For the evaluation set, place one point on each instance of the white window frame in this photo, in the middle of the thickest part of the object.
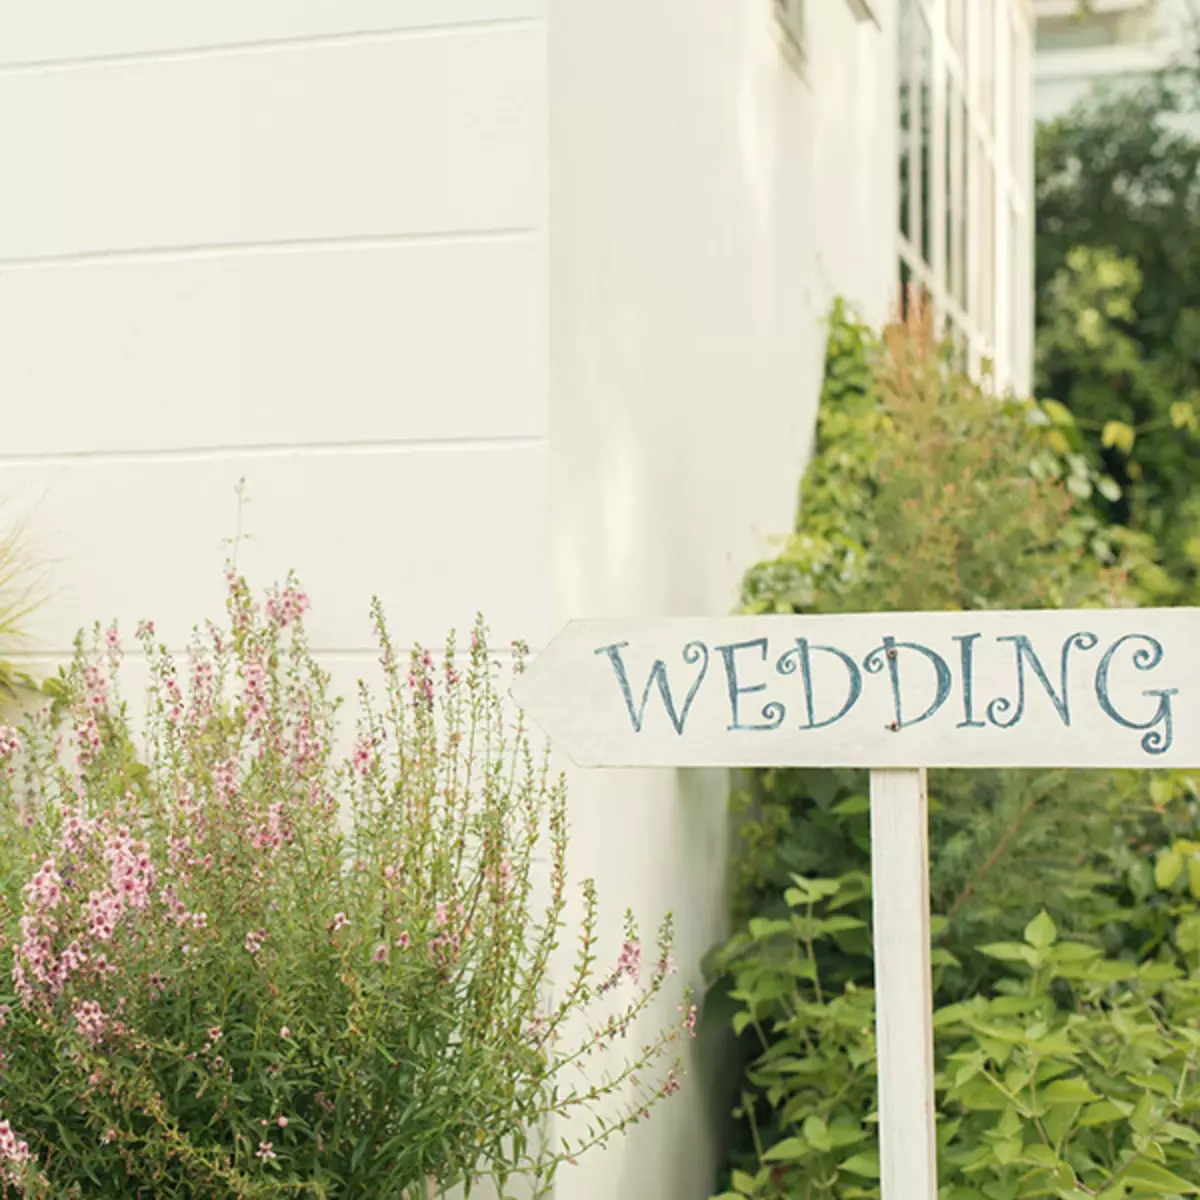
(998, 326)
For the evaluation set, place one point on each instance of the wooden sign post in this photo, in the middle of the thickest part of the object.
(897, 693)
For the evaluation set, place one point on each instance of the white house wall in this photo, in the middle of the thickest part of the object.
(300, 243)
(307, 244)
(707, 202)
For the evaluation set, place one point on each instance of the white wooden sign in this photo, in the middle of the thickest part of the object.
(1089, 688)
(896, 692)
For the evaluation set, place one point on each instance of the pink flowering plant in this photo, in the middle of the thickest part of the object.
(233, 963)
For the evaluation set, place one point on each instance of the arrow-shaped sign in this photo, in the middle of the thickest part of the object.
(1088, 688)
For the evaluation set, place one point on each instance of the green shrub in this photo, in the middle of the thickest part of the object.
(234, 964)
(926, 492)
(1073, 1075)
(1118, 272)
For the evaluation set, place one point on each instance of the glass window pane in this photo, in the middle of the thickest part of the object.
(987, 249)
(962, 214)
(906, 164)
(926, 139)
(985, 72)
(955, 190)
(1021, 106)
(1019, 316)
(950, 256)
(956, 25)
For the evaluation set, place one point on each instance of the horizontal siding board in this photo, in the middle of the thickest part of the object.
(437, 535)
(53, 30)
(379, 343)
(376, 138)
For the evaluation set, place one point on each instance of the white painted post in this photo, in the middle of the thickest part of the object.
(903, 984)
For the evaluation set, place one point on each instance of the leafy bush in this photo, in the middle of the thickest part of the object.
(1118, 265)
(238, 966)
(1074, 1076)
(926, 492)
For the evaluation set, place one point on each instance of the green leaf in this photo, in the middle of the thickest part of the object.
(1072, 952)
(743, 1182)
(1167, 868)
(1005, 951)
(845, 1133)
(1044, 1156)
(866, 1165)
(789, 1150)
(1118, 435)
(952, 1014)
(1112, 970)
(1183, 415)
(1193, 874)
(816, 1132)
(1159, 972)
(817, 889)
(1154, 1083)
(1101, 1113)
(1008, 1151)
(943, 958)
(1149, 1178)
(1041, 932)
(1058, 413)
(852, 806)
(1068, 1091)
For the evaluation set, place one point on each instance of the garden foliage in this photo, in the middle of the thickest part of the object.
(1067, 928)
(232, 964)
(1118, 300)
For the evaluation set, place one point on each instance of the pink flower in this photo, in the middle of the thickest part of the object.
(689, 1021)
(630, 962)
(285, 1032)
(12, 1149)
(364, 756)
(381, 953)
(287, 607)
(265, 1151)
(340, 921)
(91, 1020)
(10, 742)
(282, 1122)
(403, 941)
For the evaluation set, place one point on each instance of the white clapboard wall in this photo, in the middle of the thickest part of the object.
(1088, 688)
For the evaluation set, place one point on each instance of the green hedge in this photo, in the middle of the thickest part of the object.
(1067, 930)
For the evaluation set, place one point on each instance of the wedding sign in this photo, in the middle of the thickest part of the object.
(1089, 688)
(897, 693)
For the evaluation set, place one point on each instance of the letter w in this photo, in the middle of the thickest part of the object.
(693, 652)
